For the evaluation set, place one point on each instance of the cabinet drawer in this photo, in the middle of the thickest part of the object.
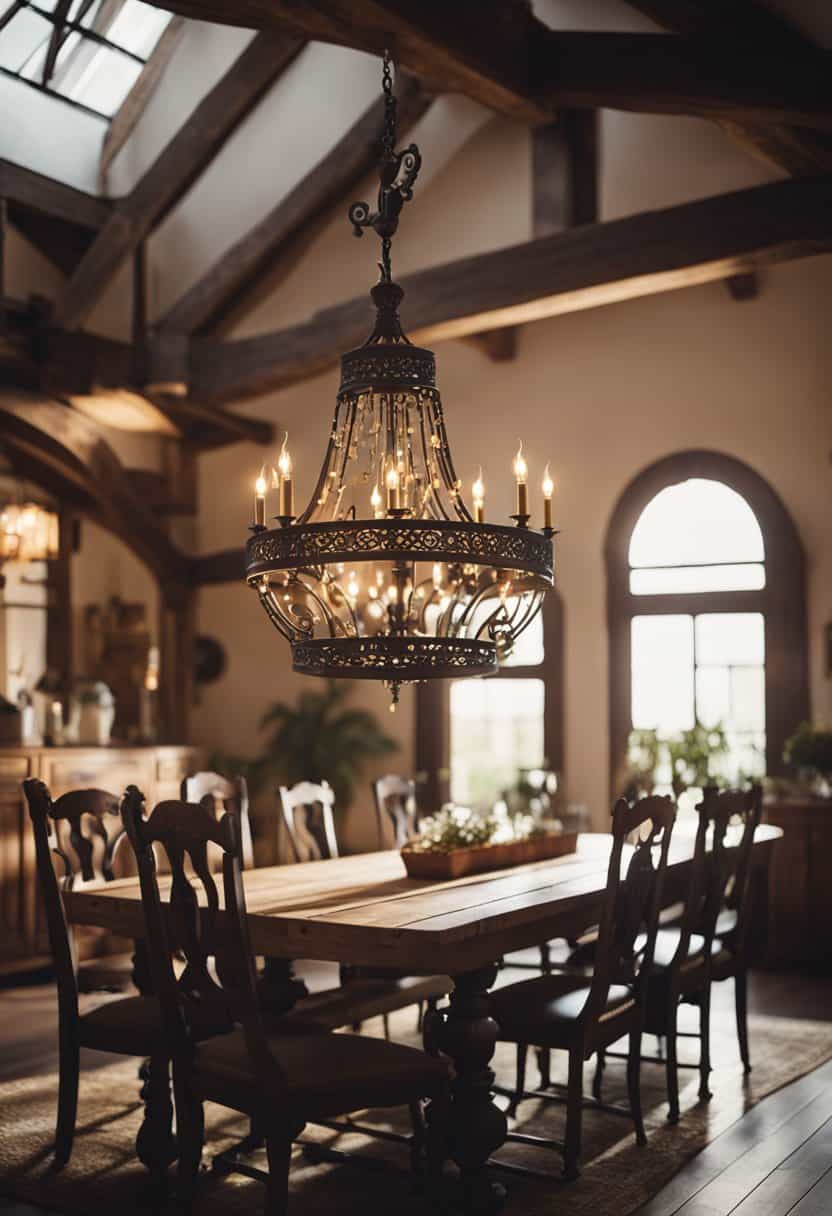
(98, 770)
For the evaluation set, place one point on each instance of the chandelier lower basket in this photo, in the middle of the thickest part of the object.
(398, 660)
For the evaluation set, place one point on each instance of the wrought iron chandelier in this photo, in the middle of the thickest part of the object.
(28, 533)
(387, 574)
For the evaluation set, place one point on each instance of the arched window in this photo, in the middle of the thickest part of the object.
(706, 609)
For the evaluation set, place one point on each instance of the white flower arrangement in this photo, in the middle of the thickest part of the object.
(459, 827)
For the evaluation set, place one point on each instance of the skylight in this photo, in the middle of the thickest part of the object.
(91, 60)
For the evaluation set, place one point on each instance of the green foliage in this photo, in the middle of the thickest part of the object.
(691, 755)
(318, 739)
(810, 748)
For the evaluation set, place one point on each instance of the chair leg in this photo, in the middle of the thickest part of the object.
(546, 958)
(438, 1124)
(598, 1079)
(420, 1016)
(544, 1062)
(385, 1021)
(574, 1113)
(279, 1153)
(741, 1005)
(190, 1134)
(705, 1043)
(520, 1079)
(671, 1064)
(67, 1095)
(417, 1140)
(634, 1085)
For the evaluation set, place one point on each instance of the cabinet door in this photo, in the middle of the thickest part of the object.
(17, 863)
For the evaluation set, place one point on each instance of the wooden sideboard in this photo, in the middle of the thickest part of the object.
(157, 771)
(800, 883)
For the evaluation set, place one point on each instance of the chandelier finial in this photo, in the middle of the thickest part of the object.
(397, 175)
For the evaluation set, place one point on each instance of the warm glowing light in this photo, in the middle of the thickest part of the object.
(548, 486)
(392, 478)
(521, 469)
(437, 575)
(260, 484)
(478, 495)
(375, 501)
(284, 460)
(353, 586)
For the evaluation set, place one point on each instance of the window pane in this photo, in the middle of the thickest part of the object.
(696, 522)
(138, 27)
(748, 698)
(107, 81)
(662, 673)
(496, 729)
(713, 695)
(25, 33)
(732, 638)
(677, 580)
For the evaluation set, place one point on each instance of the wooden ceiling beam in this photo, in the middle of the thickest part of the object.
(176, 168)
(252, 268)
(479, 47)
(506, 58)
(745, 27)
(72, 454)
(52, 198)
(581, 268)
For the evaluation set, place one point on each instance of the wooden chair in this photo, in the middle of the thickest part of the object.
(279, 1081)
(128, 1026)
(395, 808)
(221, 794)
(308, 814)
(582, 1015)
(689, 955)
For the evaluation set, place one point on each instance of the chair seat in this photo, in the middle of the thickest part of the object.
(130, 1026)
(545, 1011)
(667, 944)
(325, 1074)
(361, 999)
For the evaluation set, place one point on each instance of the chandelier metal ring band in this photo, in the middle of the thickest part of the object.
(394, 659)
(409, 540)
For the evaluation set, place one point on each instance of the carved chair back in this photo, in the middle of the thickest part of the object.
(630, 915)
(83, 829)
(186, 829)
(220, 794)
(308, 813)
(729, 862)
(395, 807)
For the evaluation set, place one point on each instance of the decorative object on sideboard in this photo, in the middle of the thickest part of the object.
(387, 574)
(97, 713)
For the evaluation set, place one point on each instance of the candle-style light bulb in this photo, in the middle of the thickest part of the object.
(375, 502)
(478, 495)
(284, 464)
(260, 487)
(521, 474)
(392, 482)
(548, 488)
(353, 586)
(437, 575)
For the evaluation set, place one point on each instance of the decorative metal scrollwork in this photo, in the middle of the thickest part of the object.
(394, 659)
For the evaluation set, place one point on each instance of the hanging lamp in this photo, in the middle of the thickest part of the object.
(387, 574)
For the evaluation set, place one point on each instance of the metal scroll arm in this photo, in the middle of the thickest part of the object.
(397, 176)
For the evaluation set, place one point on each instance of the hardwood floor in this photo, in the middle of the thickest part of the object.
(775, 1161)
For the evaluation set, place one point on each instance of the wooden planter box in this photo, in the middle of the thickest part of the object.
(460, 862)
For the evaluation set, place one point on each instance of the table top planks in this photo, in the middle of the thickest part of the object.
(365, 910)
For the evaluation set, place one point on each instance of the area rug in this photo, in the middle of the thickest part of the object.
(618, 1177)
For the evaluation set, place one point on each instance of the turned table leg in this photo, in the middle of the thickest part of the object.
(155, 1142)
(468, 1034)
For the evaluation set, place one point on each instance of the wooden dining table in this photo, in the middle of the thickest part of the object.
(365, 910)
